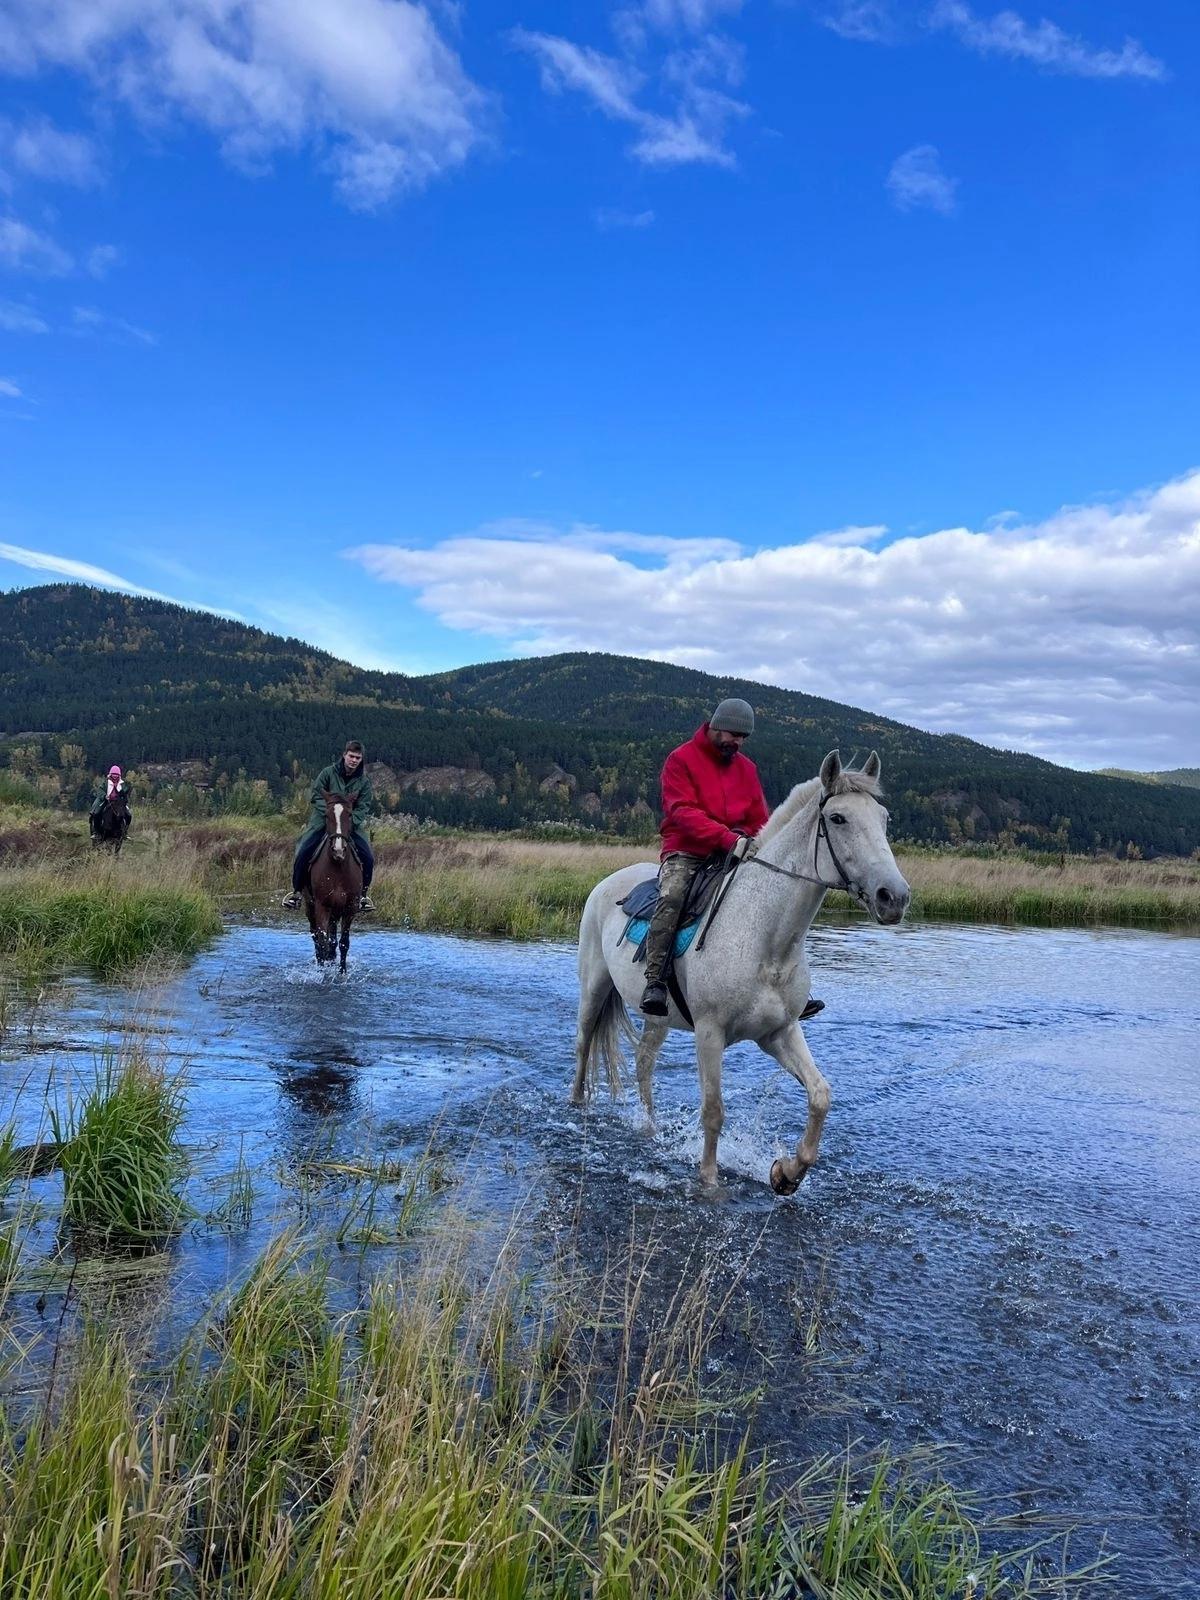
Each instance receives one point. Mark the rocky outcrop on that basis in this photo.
(558, 780)
(447, 780)
(193, 772)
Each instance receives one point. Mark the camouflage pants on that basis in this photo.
(674, 879)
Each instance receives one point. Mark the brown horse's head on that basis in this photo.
(339, 820)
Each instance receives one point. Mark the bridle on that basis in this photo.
(846, 882)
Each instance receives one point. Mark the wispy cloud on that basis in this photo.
(690, 15)
(17, 318)
(39, 149)
(607, 219)
(1044, 44)
(9, 389)
(692, 79)
(916, 182)
(24, 249)
(1073, 637)
(90, 320)
(369, 86)
(81, 571)
(101, 259)
(869, 20)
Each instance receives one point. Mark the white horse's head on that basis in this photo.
(852, 823)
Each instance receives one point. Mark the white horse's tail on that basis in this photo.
(603, 1045)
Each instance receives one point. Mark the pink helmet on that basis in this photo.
(114, 772)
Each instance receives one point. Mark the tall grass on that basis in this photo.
(50, 919)
(165, 893)
(121, 1159)
(452, 1437)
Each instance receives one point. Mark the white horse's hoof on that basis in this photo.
(780, 1181)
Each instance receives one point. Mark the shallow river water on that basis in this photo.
(996, 1252)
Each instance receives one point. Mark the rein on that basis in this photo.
(822, 832)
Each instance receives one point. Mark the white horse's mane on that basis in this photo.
(849, 781)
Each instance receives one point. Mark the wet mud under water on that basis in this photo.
(996, 1252)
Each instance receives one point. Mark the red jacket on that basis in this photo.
(706, 804)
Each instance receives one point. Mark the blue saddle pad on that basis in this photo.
(637, 928)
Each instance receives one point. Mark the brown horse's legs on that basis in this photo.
(344, 940)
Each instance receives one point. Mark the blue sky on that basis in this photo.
(850, 344)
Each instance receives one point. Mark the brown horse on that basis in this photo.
(113, 822)
(334, 882)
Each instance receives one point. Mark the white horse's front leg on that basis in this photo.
(710, 1052)
(651, 1042)
(789, 1048)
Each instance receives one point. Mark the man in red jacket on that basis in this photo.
(712, 799)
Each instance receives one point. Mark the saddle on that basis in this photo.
(638, 906)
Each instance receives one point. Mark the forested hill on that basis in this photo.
(213, 714)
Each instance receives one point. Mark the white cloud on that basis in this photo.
(852, 536)
(89, 320)
(692, 81)
(916, 182)
(607, 219)
(81, 571)
(24, 249)
(691, 15)
(101, 259)
(38, 149)
(867, 20)
(9, 389)
(369, 85)
(16, 318)
(1043, 43)
(1075, 637)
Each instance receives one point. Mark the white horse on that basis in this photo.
(750, 979)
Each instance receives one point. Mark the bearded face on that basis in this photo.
(726, 744)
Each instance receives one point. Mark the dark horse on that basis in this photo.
(334, 882)
(112, 824)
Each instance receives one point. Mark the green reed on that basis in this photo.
(51, 919)
(122, 1162)
(455, 1435)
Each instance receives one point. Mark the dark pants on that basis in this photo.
(307, 849)
(674, 879)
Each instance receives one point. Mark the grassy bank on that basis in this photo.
(50, 918)
(467, 1428)
(165, 892)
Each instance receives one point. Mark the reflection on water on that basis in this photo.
(996, 1251)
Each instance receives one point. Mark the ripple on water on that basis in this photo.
(997, 1249)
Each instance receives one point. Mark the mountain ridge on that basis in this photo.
(577, 737)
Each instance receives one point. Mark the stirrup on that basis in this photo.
(291, 901)
(654, 1000)
(365, 903)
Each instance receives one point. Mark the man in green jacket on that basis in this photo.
(346, 776)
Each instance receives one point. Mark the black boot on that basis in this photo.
(654, 999)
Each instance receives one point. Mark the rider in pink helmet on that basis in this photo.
(112, 781)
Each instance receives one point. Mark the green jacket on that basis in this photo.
(101, 799)
(331, 778)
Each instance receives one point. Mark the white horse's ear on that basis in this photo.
(872, 764)
(831, 769)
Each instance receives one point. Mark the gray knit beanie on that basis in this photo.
(732, 716)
